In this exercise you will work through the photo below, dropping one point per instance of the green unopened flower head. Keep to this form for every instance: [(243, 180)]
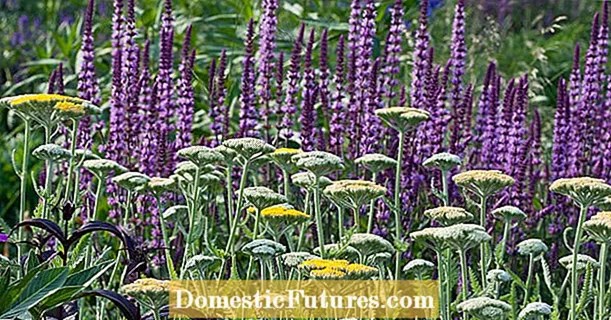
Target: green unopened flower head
[(282, 158), (535, 311), (449, 215), (380, 259), (353, 194), (509, 213), (51, 152), (583, 261), (103, 167), (534, 247), (132, 181), (335, 251), (147, 290), (419, 267), (200, 155), (430, 237), (185, 167), (462, 237), (230, 156), (585, 191), (320, 163), (293, 259), (202, 262), (443, 161), (262, 197), (249, 148), (484, 308), (599, 227), (376, 162), (264, 249), (402, 119), (158, 184), (483, 183), (369, 244), (307, 180), (498, 275)]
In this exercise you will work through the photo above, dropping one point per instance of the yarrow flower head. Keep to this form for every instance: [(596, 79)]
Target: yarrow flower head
[(369, 244), (509, 213), (229, 155), (448, 215), (359, 271), (320, 163), (132, 181), (337, 251), (534, 247), (282, 157), (158, 185), (294, 259), (583, 261), (599, 227), (264, 249), (249, 148), (583, 190), (419, 267), (103, 167), (200, 155), (498, 275), (202, 262), (483, 183), (484, 308), (262, 197), (307, 180), (47, 109), (337, 269), (460, 237), (51, 152), (353, 193), (402, 119), (279, 214), (535, 311), (327, 274), (146, 290), (443, 161), (376, 162)]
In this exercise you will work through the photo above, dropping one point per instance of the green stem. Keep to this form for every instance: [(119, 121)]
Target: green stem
[(286, 183), (340, 221), (504, 243), (483, 246), (72, 159), (302, 232), (229, 186), (128, 206), (93, 216), (448, 284), (193, 212), (48, 174), (24, 182), (166, 240), (531, 266), (463, 274), (445, 190), (577, 243), (601, 281), (229, 247), (371, 209), (442, 295), (319, 227), (398, 202)]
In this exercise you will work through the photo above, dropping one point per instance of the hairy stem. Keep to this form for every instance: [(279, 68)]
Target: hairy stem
[(601, 281), (192, 214), (371, 208), (72, 160), (397, 209), (483, 246), (319, 227), (24, 183), (577, 243), (531, 265)]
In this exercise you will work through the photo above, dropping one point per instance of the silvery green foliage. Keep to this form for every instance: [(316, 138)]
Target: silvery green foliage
[(369, 244), (201, 262), (249, 148), (307, 180), (376, 162), (51, 152), (293, 259), (484, 308), (498, 275), (509, 213), (337, 251), (200, 155), (533, 247), (448, 215), (582, 261), (263, 249), (132, 181), (177, 211), (443, 161), (419, 266), (103, 167), (262, 197), (535, 311), (320, 163)]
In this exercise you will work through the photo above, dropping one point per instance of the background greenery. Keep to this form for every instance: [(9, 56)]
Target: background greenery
[(522, 36)]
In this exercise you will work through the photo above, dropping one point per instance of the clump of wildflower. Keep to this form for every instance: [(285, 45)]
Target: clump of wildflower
[(402, 119), (264, 249), (294, 259), (282, 157), (535, 311), (484, 308), (249, 148), (70, 109), (3, 237), (51, 152), (282, 214), (320, 163), (583, 190), (498, 275), (353, 193), (369, 244), (376, 162), (419, 267), (200, 155), (509, 213), (443, 161), (483, 183), (599, 227), (534, 247), (307, 180), (103, 167), (133, 181), (448, 215), (582, 261), (262, 197)]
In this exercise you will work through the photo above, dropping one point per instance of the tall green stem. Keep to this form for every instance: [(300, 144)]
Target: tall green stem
[(398, 202), (286, 183), (166, 240), (72, 160), (444, 186), (602, 281), (317, 212), (577, 243), (192, 214), (442, 295), (48, 176), (229, 186), (531, 265), (504, 243), (371, 208), (24, 182), (93, 217), (483, 246), (463, 275), (306, 209)]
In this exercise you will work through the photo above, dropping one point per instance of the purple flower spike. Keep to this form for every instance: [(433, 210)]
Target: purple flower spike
[(217, 106), (392, 51), (3, 238), (324, 92), (289, 108), (52, 81), (186, 96), (417, 91), (336, 124), (248, 112), (267, 45), (307, 116)]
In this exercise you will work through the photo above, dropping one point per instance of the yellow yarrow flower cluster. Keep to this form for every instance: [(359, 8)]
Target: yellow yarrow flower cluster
[(45, 97), (337, 269), (147, 286), (71, 107), (282, 213)]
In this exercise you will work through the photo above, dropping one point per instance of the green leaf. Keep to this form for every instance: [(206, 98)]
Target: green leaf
[(4, 279), (88, 276), (44, 284), (15, 289)]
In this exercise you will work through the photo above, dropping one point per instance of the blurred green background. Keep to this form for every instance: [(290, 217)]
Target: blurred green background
[(523, 36)]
